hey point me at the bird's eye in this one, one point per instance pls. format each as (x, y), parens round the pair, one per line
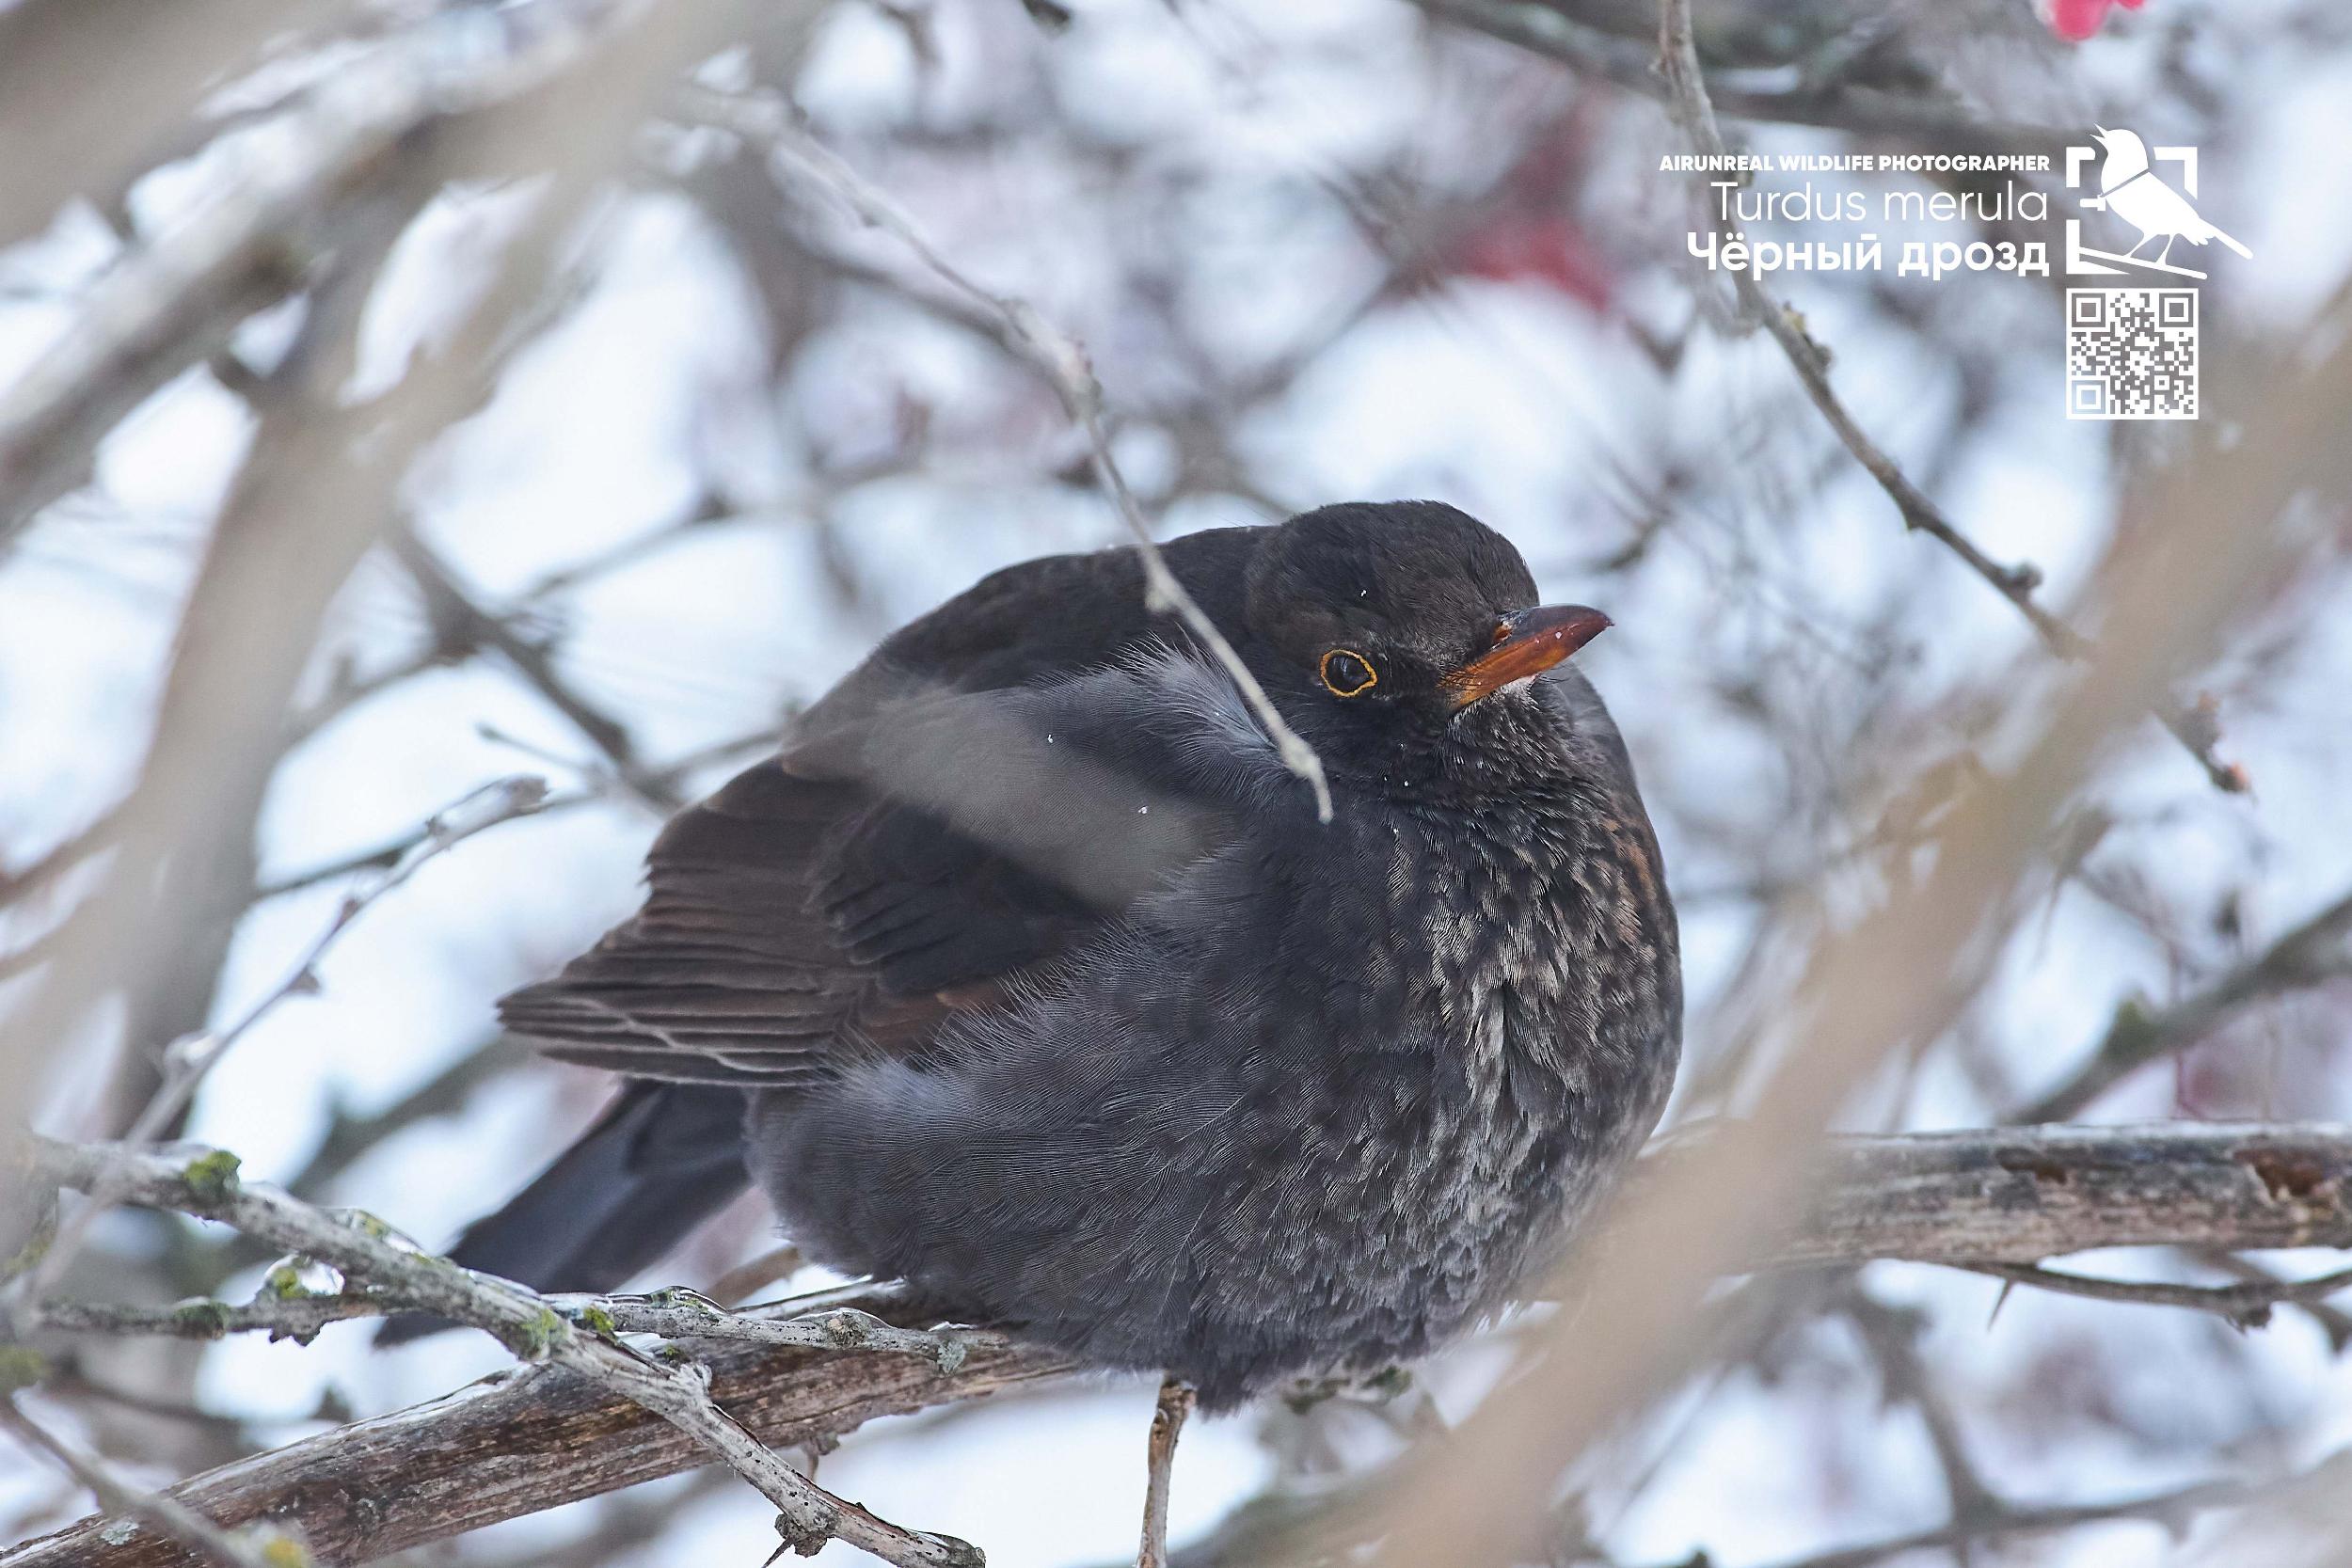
(1348, 673)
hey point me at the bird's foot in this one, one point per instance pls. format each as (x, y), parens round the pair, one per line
(1168, 1419)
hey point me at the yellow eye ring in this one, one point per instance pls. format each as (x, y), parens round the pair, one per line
(1352, 665)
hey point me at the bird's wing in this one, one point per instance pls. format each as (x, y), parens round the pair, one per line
(898, 863)
(728, 975)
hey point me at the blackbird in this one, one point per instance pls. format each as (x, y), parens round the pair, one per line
(1027, 975)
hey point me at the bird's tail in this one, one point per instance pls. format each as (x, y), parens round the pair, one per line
(2231, 243)
(664, 1158)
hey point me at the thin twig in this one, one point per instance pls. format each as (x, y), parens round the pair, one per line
(285, 1313)
(681, 1314)
(1282, 1527)
(351, 691)
(1052, 352)
(2247, 1306)
(298, 1318)
(2332, 1321)
(305, 506)
(665, 780)
(461, 622)
(2172, 1509)
(119, 1496)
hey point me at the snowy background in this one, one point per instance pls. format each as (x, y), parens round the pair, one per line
(1319, 250)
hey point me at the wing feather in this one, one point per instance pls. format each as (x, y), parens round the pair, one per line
(976, 800)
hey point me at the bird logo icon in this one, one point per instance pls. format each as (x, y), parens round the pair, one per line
(2130, 187)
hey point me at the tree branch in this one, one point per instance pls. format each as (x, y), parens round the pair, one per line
(374, 1259)
(2171, 1509)
(2022, 1195)
(2246, 1304)
(677, 1313)
(462, 623)
(186, 1061)
(174, 1519)
(543, 1435)
(2315, 950)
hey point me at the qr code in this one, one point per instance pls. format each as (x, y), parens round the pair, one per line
(2131, 353)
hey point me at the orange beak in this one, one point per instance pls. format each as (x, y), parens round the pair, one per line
(1526, 643)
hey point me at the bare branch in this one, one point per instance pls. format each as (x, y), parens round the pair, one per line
(663, 781)
(215, 738)
(173, 1519)
(2171, 1509)
(541, 1437)
(1458, 203)
(679, 1314)
(372, 1258)
(305, 508)
(1900, 974)
(350, 1136)
(463, 622)
(1284, 1526)
(2246, 1304)
(2317, 950)
(2332, 1321)
(283, 1312)
(186, 1061)
(296, 1316)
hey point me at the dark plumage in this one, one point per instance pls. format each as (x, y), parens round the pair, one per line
(1047, 993)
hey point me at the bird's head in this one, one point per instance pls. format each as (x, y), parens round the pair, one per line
(1405, 622)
